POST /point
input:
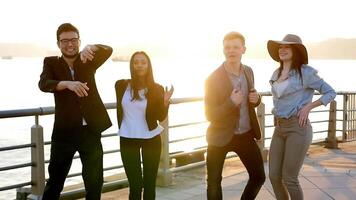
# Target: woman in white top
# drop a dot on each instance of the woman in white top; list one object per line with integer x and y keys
{"x": 141, "y": 103}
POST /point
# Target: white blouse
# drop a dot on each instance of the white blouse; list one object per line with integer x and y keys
{"x": 278, "y": 88}
{"x": 134, "y": 123}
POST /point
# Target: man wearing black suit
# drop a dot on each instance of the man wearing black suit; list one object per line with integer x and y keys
{"x": 230, "y": 101}
{"x": 80, "y": 115}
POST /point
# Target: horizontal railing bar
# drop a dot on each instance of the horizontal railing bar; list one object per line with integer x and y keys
{"x": 185, "y": 100}
{"x": 200, "y": 148}
{"x": 195, "y": 164}
{"x": 10, "y": 187}
{"x": 350, "y": 120}
{"x": 320, "y": 121}
{"x": 113, "y": 167}
{"x": 319, "y": 111}
{"x": 186, "y": 153}
{"x": 105, "y": 152}
{"x": 20, "y": 113}
{"x": 74, "y": 174}
{"x": 345, "y": 92}
{"x": 171, "y": 153}
{"x": 111, "y": 151}
{"x": 50, "y": 110}
{"x": 21, "y": 146}
{"x": 187, "y": 124}
{"x": 37, "y": 111}
{"x": 184, "y": 139}
{"x": 265, "y": 93}
{"x": 110, "y": 105}
{"x": 318, "y": 141}
{"x": 104, "y": 169}
{"x": 324, "y": 131}
{"x": 109, "y": 135}
{"x": 197, "y": 148}
{"x": 349, "y": 110}
{"x": 16, "y": 166}
{"x": 350, "y": 139}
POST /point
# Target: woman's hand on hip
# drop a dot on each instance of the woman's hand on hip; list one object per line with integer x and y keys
{"x": 303, "y": 115}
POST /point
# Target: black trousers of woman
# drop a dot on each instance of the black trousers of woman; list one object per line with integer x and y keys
{"x": 131, "y": 150}
{"x": 249, "y": 153}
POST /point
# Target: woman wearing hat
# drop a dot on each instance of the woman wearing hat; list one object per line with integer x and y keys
{"x": 293, "y": 85}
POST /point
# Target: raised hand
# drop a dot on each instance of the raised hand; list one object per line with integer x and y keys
{"x": 236, "y": 97}
{"x": 87, "y": 54}
{"x": 168, "y": 94}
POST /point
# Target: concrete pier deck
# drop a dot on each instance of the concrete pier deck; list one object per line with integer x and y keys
{"x": 326, "y": 174}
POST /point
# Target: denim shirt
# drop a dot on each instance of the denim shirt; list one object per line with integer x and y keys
{"x": 297, "y": 94}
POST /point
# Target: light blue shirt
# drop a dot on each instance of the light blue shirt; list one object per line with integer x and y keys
{"x": 297, "y": 94}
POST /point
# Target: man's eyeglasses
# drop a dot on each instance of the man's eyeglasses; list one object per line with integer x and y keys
{"x": 72, "y": 40}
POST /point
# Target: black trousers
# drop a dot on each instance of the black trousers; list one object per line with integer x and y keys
{"x": 88, "y": 144}
{"x": 131, "y": 158}
{"x": 249, "y": 153}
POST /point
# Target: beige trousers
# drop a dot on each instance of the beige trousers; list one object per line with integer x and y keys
{"x": 288, "y": 148}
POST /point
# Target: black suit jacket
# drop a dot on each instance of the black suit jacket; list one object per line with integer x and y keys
{"x": 155, "y": 110}
{"x": 69, "y": 108}
{"x": 221, "y": 111}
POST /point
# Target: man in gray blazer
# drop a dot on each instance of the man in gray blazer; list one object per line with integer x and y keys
{"x": 230, "y": 99}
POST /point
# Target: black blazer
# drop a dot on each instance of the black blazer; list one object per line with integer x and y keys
{"x": 69, "y": 108}
{"x": 155, "y": 110}
{"x": 221, "y": 111}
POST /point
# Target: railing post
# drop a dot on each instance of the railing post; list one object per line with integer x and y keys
{"x": 261, "y": 118}
{"x": 164, "y": 174}
{"x": 37, "y": 158}
{"x": 331, "y": 141}
{"x": 344, "y": 117}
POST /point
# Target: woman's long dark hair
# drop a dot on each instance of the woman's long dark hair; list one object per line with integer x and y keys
{"x": 148, "y": 80}
{"x": 297, "y": 63}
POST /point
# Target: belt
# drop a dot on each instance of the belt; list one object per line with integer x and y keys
{"x": 278, "y": 121}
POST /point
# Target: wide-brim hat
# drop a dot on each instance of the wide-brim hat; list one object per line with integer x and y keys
{"x": 290, "y": 39}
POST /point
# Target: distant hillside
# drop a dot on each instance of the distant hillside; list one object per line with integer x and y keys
{"x": 21, "y": 50}
{"x": 333, "y": 49}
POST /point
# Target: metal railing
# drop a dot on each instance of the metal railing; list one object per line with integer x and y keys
{"x": 166, "y": 169}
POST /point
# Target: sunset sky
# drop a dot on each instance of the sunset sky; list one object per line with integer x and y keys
{"x": 184, "y": 25}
